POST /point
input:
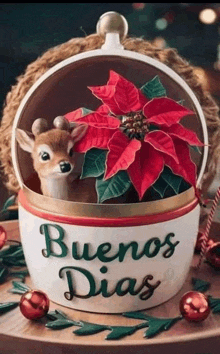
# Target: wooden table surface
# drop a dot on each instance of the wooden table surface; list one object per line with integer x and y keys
{"x": 19, "y": 335}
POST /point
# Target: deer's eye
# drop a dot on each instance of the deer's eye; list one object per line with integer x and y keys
{"x": 71, "y": 152}
{"x": 45, "y": 156}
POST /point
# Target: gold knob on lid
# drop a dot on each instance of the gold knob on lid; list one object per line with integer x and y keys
{"x": 112, "y": 22}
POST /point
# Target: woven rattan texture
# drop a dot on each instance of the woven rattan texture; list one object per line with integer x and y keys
{"x": 75, "y": 46}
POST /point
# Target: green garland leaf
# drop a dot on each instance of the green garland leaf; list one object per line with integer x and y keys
{"x": 13, "y": 256}
{"x": 13, "y": 262}
{"x": 19, "y": 288}
{"x": 20, "y": 274}
{"x": 112, "y": 187}
{"x": 9, "y": 202}
{"x": 153, "y": 88}
{"x": 56, "y": 315}
{"x": 94, "y": 163}
{"x": 90, "y": 328}
{"x": 214, "y": 304}
{"x": 3, "y": 274}
{"x": 9, "y": 250}
{"x": 118, "y": 332}
{"x": 17, "y": 254}
{"x": 200, "y": 285}
{"x": 157, "y": 325}
{"x": 59, "y": 320}
{"x": 60, "y": 324}
{"x": 7, "y": 306}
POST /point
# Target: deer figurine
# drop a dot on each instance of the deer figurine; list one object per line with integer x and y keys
{"x": 55, "y": 161}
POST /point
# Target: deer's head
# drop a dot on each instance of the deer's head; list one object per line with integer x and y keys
{"x": 52, "y": 150}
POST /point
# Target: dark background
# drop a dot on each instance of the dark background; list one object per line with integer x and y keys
{"x": 27, "y": 30}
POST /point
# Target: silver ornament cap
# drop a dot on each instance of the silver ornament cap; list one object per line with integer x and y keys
{"x": 112, "y": 22}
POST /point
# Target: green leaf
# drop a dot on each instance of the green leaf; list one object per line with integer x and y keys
{"x": 94, "y": 163}
{"x": 157, "y": 325}
{"x": 17, "y": 254}
{"x": 171, "y": 179}
{"x": 13, "y": 256}
{"x": 214, "y": 304}
{"x": 196, "y": 149}
{"x": 9, "y": 202}
{"x": 112, "y": 187}
{"x": 9, "y": 250}
{"x": 160, "y": 186}
{"x": 19, "y": 288}
{"x": 153, "y": 88}
{"x": 7, "y": 306}
{"x": 10, "y": 214}
{"x": 85, "y": 111}
{"x": 3, "y": 274}
{"x": 61, "y": 324}
{"x": 20, "y": 274}
{"x": 59, "y": 320}
{"x": 118, "y": 332}
{"x": 13, "y": 262}
{"x": 56, "y": 315}
{"x": 90, "y": 328}
{"x": 200, "y": 285}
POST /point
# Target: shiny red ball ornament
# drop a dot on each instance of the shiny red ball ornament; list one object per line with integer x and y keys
{"x": 194, "y": 306}
{"x": 34, "y": 304}
{"x": 3, "y": 237}
{"x": 213, "y": 255}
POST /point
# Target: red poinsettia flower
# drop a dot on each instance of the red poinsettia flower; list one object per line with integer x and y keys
{"x": 141, "y": 135}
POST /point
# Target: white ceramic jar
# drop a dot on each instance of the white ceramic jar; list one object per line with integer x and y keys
{"x": 105, "y": 258}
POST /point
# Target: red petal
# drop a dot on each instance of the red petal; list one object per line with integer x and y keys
{"x": 113, "y": 78}
{"x": 186, "y": 167}
{"x": 94, "y": 137}
{"x": 103, "y": 109}
{"x": 184, "y": 134}
{"x": 121, "y": 153}
{"x": 74, "y": 115}
{"x": 127, "y": 96}
{"x": 162, "y": 142}
{"x": 107, "y": 95}
{"x": 118, "y": 80}
{"x": 146, "y": 168}
{"x": 165, "y": 111}
{"x": 99, "y": 120}
{"x": 142, "y": 99}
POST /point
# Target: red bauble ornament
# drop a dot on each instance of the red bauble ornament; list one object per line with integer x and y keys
{"x": 3, "y": 237}
{"x": 34, "y": 304}
{"x": 213, "y": 255}
{"x": 194, "y": 306}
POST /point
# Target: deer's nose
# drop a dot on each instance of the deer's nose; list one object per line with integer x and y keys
{"x": 65, "y": 166}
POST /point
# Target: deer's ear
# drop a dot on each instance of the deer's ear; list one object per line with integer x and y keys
{"x": 25, "y": 140}
{"x": 78, "y": 132}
